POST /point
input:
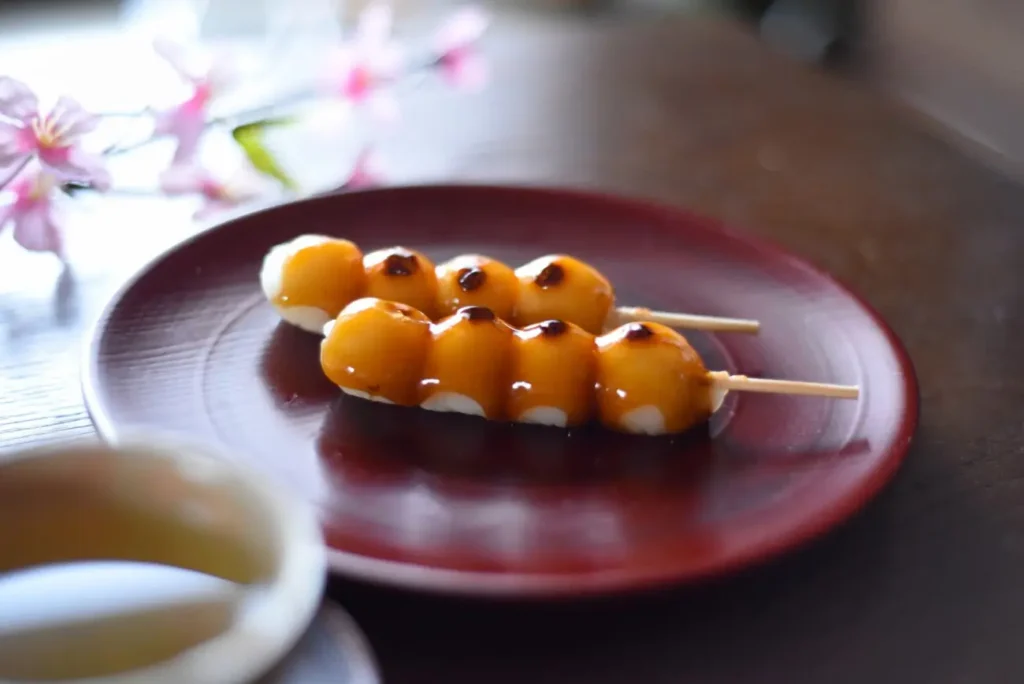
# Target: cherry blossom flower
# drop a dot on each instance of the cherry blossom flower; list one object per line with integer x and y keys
{"x": 28, "y": 204}
{"x": 218, "y": 195}
{"x": 456, "y": 47}
{"x": 366, "y": 172}
{"x": 186, "y": 121}
{"x": 53, "y": 138}
{"x": 363, "y": 71}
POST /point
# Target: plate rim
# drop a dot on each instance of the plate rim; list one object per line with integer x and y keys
{"x": 515, "y": 585}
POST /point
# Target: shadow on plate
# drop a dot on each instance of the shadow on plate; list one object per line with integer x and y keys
{"x": 370, "y": 440}
{"x": 290, "y": 365}
{"x": 378, "y": 443}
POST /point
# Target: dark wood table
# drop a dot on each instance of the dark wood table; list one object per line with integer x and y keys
{"x": 927, "y": 584}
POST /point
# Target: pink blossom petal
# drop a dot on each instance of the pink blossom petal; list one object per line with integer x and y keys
{"x": 387, "y": 62}
{"x": 186, "y": 124}
{"x": 334, "y": 78}
{"x": 72, "y": 120}
{"x": 383, "y": 107}
{"x": 177, "y": 57}
{"x": 374, "y": 26}
{"x": 341, "y": 61}
{"x": 17, "y": 101}
{"x": 22, "y": 186}
{"x": 468, "y": 71}
{"x": 163, "y": 121}
{"x": 12, "y": 145}
{"x": 210, "y": 208}
{"x": 358, "y": 85}
{"x": 464, "y": 28}
{"x": 36, "y": 229}
{"x": 91, "y": 168}
{"x": 183, "y": 180}
{"x": 6, "y": 212}
{"x": 188, "y": 129}
{"x": 214, "y": 190}
{"x": 188, "y": 146}
{"x": 74, "y": 164}
{"x": 221, "y": 75}
{"x": 365, "y": 172}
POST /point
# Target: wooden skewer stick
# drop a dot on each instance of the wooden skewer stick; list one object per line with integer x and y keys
{"x": 626, "y": 314}
{"x": 723, "y": 381}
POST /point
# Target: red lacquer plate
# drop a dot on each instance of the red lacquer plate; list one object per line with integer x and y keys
{"x": 457, "y": 504}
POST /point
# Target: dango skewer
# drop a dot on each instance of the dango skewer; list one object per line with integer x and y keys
{"x": 640, "y": 377}
{"x": 311, "y": 278}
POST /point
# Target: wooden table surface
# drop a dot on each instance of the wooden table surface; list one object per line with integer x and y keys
{"x": 926, "y": 584}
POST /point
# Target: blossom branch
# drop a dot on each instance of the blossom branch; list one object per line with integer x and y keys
{"x": 364, "y": 72}
{"x": 277, "y": 109}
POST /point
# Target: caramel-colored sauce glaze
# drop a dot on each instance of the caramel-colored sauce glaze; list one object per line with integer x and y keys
{"x": 378, "y": 347}
{"x": 648, "y": 364}
{"x": 330, "y": 274}
{"x": 553, "y": 365}
{"x": 402, "y": 275}
{"x": 325, "y": 276}
{"x": 563, "y": 288}
{"x": 476, "y": 280}
{"x": 469, "y": 355}
{"x": 391, "y": 350}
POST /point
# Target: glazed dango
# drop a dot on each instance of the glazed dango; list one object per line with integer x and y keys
{"x": 551, "y": 286}
{"x": 650, "y": 380}
{"x": 552, "y": 375}
{"x": 312, "y": 278}
{"x": 477, "y": 280}
{"x": 467, "y": 364}
{"x": 402, "y": 275}
{"x": 376, "y": 350}
{"x": 641, "y": 377}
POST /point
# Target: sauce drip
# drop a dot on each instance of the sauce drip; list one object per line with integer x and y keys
{"x": 551, "y": 275}
{"x": 399, "y": 264}
{"x": 472, "y": 279}
{"x": 636, "y": 378}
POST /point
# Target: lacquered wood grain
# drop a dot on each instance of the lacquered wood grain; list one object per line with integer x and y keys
{"x": 469, "y": 506}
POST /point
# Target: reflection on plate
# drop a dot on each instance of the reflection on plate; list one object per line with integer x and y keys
{"x": 454, "y": 503}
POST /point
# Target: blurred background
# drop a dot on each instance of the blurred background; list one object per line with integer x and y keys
{"x": 954, "y": 61}
{"x": 952, "y": 64}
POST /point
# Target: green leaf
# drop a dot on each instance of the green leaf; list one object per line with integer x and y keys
{"x": 250, "y": 138}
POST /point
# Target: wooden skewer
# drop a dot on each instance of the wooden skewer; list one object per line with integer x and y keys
{"x": 626, "y": 314}
{"x": 723, "y": 381}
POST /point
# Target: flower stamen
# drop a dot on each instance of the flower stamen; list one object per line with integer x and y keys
{"x": 48, "y": 132}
